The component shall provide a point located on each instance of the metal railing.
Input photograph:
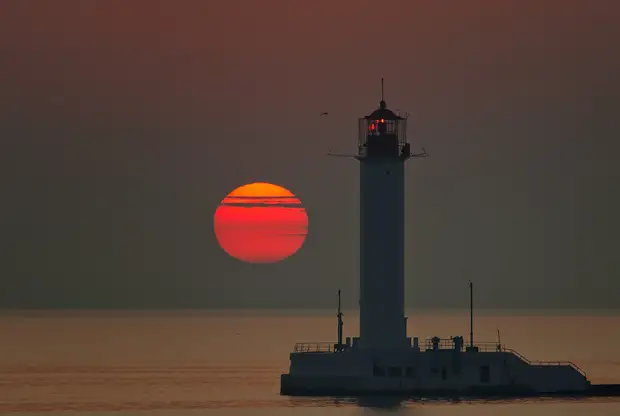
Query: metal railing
(549, 363)
(448, 344)
(314, 347)
(488, 346)
(445, 344)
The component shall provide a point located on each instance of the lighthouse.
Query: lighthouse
(382, 359)
(382, 153)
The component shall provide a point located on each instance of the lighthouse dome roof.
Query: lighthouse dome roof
(383, 113)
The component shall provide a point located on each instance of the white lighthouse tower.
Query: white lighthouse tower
(383, 151)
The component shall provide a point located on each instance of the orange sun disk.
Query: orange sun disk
(261, 223)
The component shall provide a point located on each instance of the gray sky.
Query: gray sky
(124, 124)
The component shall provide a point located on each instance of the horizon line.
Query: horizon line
(481, 311)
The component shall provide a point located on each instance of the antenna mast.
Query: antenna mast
(471, 314)
(339, 323)
(499, 341)
(382, 89)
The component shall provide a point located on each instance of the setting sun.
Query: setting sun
(261, 223)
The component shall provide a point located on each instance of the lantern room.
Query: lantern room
(383, 134)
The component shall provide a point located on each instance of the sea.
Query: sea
(229, 362)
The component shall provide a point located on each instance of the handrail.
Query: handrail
(303, 347)
(518, 355)
(489, 347)
(314, 347)
(448, 344)
(548, 363)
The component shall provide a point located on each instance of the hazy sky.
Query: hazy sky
(123, 124)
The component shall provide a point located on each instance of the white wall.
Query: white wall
(382, 233)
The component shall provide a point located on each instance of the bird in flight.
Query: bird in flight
(324, 113)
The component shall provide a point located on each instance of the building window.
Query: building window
(395, 372)
(443, 373)
(485, 374)
(409, 372)
(378, 371)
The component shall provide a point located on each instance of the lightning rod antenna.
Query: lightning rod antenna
(382, 89)
(471, 314)
(339, 345)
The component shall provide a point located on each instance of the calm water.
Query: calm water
(225, 363)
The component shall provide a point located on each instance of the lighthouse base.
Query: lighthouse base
(439, 372)
(359, 387)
